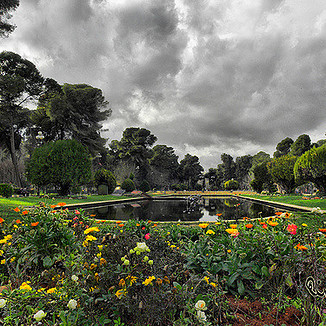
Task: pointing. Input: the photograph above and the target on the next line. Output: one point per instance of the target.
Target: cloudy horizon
(205, 77)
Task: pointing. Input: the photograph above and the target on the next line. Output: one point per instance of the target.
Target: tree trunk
(13, 153)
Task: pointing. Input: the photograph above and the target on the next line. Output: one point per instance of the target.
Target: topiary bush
(144, 186)
(6, 190)
(231, 185)
(128, 185)
(105, 177)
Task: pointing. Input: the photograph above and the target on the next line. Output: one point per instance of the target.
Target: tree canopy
(301, 145)
(73, 112)
(283, 147)
(6, 6)
(63, 164)
(190, 170)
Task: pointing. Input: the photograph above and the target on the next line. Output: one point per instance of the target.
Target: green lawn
(294, 200)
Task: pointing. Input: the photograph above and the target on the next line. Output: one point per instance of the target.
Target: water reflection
(206, 209)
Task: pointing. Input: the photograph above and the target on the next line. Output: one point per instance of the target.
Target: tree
(6, 6)
(242, 168)
(260, 157)
(63, 164)
(20, 81)
(73, 112)
(128, 185)
(164, 166)
(281, 170)
(190, 170)
(231, 185)
(135, 147)
(228, 167)
(262, 178)
(105, 177)
(283, 147)
(311, 166)
(301, 145)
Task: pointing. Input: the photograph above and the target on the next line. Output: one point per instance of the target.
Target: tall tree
(281, 170)
(190, 170)
(20, 81)
(301, 145)
(228, 167)
(135, 147)
(283, 147)
(311, 166)
(6, 6)
(242, 168)
(73, 112)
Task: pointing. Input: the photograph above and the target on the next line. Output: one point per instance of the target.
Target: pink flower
(292, 228)
(147, 236)
(77, 212)
(75, 218)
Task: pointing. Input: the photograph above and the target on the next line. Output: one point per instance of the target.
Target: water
(206, 209)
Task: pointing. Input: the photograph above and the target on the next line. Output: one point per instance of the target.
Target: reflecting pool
(203, 209)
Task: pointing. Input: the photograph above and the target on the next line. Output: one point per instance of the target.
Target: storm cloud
(206, 77)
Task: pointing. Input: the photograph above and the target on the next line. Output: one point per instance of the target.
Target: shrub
(144, 186)
(231, 185)
(105, 177)
(128, 185)
(6, 190)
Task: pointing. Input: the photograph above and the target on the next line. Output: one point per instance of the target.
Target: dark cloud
(206, 77)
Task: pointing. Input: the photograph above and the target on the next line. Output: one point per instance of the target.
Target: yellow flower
(3, 241)
(232, 231)
(149, 280)
(102, 261)
(272, 223)
(8, 237)
(12, 259)
(52, 290)
(1, 252)
(100, 247)
(218, 223)
(210, 232)
(97, 278)
(203, 225)
(25, 286)
(206, 278)
(131, 279)
(229, 250)
(304, 224)
(213, 284)
(3, 261)
(92, 229)
(233, 226)
(120, 293)
(93, 266)
(99, 255)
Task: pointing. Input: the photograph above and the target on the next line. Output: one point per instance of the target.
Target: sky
(205, 77)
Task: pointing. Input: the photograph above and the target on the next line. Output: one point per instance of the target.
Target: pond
(198, 209)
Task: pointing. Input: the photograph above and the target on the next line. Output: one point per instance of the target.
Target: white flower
(201, 316)
(2, 303)
(39, 315)
(316, 210)
(74, 278)
(141, 246)
(200, 305)
(72, 304)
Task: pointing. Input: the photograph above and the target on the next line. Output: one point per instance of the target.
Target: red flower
(292, 228)
(143, 228)
(35, 223)
(264, 225)
(147, 236)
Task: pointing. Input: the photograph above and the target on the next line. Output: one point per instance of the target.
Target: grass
(294, 200)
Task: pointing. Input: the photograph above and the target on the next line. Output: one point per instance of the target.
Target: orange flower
(53, 206)
(278, 213)
(92, 215)
(1, 220)
(24, 212)
(249, 226)
(118, 222)
(203, 225)
(35, 223)
(246, 218)
(137, 224)
(149, 221)
(322, 230)
(17, 209)
(18, 222)
(219, 214)
(233, 226)
(272, 223)
(121, 225)
(61, 204)
(300, 247)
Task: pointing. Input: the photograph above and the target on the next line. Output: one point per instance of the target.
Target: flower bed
(63, 268)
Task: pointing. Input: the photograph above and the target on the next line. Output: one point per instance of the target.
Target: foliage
(311, 166)
(105, 177)
(6, 6)
(64, 163)
(283, 147)
(281, 170)
(263, 179)
(301, 145)
(74, 112)
(231, 185)
(190, 170)
(128, 185)
(242, 168)
(228, 167)
(144, 186)
(6, 190)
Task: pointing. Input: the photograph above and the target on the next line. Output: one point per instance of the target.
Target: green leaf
(47, 262)
(177, 285)
(289, 281)
(233, 277)
(241, 288)
(264, 271)
(258, 285)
